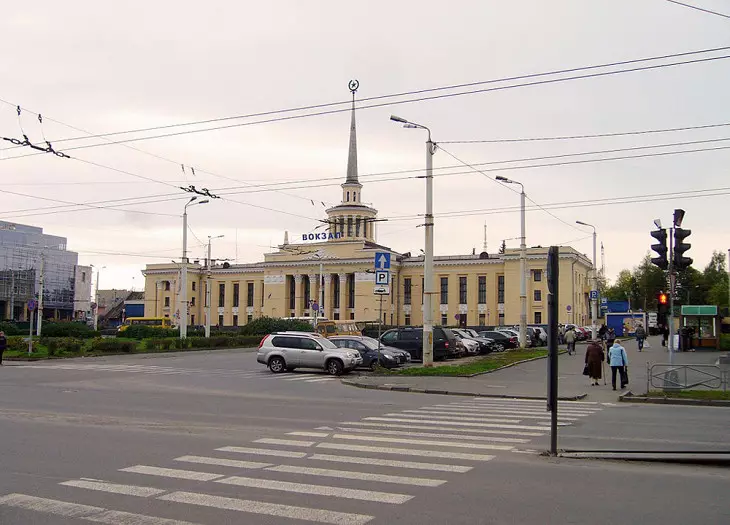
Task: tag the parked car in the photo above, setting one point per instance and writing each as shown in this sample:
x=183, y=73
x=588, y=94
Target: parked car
x=502, y=340
x=410, y=339
x=285, y=351
x=541, y=334
x=516, y=333
x=470, y=346
x=368, y=350
x=486, y=345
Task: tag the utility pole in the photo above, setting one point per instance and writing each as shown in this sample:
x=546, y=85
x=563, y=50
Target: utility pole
x=321, y=288
x=207, y=291
x=40, y=296
x=594, y=284
x=553, y=267
x=672, y=282
x=12, y=294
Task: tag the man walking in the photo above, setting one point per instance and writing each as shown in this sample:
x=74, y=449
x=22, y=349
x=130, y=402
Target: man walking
x=570, y=340
x=640, y=336
x=618, y=361
x=3, y=346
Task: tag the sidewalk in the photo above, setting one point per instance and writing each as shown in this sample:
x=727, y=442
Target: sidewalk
x=529, y=380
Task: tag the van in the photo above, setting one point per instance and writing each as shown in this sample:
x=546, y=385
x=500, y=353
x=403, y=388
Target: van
x=445, y=343
x=331, y=328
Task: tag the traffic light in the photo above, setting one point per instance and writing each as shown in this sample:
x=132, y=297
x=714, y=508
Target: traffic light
x=680, y=248
x=662, y=307
x=660, y=248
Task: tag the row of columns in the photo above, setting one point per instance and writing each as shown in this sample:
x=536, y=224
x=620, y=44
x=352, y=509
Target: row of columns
x=315, y=294
x=366, y=226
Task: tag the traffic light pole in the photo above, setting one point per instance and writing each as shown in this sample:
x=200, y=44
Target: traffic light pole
x=672, y=282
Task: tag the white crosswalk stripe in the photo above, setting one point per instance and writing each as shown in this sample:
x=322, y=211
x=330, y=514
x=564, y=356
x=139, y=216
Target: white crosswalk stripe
x=416, y=448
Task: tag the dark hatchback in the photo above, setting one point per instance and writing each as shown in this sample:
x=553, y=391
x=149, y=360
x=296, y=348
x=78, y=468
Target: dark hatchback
x=445, y=343
x=368, y=349
x=501, y=338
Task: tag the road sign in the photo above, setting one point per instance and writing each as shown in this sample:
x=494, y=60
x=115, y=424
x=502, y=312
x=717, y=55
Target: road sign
x=604, y=300
x=382, y=277
x=315, y=307
x=382, y=260
x=594, y=294
x=381, y=290
x=32, y=305
x=569, y=308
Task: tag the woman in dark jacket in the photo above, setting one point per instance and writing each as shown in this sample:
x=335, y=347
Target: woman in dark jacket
x=594, y=361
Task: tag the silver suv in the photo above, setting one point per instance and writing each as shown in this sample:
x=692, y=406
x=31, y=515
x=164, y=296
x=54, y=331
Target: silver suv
x=285, y=351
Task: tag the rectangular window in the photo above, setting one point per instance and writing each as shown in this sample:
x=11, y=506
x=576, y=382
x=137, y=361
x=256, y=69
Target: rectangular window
x=221, y=294
x=83, y=277
x=501, y=319
x=462, y=290
x=349, y=226
x=220, y=320
x=167, y=286
x=249, y=294
x=407, y=320
x=423, y=289
x=236, y=294
x=235, y=320
x=444, y=290
x=336, y=292
x=357, y=227
x=193, y=285
x=167, y=302
x=537, y=275
x=482, y=319
x=262, y=293
x=444, y=319
x=192, y=301
x=538, y=317
x=292, y=292
x=537, y=295
x=249, y=318
x=482, y=289
x=351, y=290
x=352, y=316
x=500, y=289
x=192, y=319
x=337, y=316
x=407, y=291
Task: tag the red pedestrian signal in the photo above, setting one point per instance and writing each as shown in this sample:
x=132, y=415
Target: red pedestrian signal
x=662, y=298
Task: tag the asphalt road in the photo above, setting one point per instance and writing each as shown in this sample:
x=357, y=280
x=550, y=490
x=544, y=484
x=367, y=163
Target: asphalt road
x=214, y=438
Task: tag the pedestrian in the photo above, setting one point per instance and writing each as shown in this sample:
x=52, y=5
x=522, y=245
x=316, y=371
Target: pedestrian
x=594, y=361
x=610, y=337
x=640, y=336
x=570, y=340
x=618, y=361
x=3, y=346
x=602, y=332
x=665, y=334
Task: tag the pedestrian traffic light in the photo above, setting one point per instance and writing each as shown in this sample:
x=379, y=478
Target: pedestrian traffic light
x=660, y=248
x=680, y=248
x=662, y=301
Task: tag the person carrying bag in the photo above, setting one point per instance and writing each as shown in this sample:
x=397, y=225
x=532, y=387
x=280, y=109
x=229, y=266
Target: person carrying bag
x=619, y=362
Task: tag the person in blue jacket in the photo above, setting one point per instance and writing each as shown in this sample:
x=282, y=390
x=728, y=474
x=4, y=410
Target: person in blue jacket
x=618, y=361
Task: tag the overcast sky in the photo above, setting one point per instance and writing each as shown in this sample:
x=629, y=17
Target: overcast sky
x=115, y=66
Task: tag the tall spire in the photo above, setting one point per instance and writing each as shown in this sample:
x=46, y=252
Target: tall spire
x=352, y=154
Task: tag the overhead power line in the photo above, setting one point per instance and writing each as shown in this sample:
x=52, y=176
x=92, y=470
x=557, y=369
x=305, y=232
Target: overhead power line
x=699, y=8
x=418, y=99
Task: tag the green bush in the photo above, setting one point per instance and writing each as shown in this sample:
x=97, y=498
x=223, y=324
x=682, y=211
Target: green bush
x=17, y=343
x=57, y=346
x=159, y=343
x=267, y=325
x=10, y=328
x=67, y=329
x=113, y=345
x=725, y=342
x=148, y=332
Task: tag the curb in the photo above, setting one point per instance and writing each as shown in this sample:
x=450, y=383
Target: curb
x=412, y=390
x=628, y=398
x=511, y=365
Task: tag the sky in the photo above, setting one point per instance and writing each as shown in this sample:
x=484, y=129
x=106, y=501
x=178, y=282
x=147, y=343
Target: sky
x=92, y=68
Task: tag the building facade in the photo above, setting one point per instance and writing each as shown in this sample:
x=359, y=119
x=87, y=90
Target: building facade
x=82, y=293
x=335, y=270
x=28, y=257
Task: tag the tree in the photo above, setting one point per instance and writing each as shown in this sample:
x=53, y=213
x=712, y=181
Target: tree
x=503, y=247
x=715, y=280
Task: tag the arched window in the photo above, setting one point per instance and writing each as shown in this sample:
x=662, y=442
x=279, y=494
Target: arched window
x=348, y=196
x=354, y=196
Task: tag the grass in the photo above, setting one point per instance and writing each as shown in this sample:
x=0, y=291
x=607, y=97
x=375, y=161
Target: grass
x=482, y=364
x=691, y=394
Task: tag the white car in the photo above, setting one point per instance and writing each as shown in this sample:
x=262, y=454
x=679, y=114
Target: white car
x=470, y=346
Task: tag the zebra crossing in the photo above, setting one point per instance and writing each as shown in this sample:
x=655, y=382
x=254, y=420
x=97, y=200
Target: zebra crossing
x=305, y=377
x=348, y=474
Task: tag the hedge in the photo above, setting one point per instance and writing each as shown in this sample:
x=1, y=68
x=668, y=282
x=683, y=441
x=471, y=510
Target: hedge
x=112, y=345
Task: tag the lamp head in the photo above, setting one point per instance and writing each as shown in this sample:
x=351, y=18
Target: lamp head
x=204, y=201
x=503, y=179
x=398, y=119
x=409, y=125
x=658, y=223
x=193, y=198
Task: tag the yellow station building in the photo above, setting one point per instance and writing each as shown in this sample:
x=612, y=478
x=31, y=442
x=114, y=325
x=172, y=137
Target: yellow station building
x=338, y=266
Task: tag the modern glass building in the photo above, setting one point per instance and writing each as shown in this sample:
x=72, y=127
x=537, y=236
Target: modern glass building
x=24, y=250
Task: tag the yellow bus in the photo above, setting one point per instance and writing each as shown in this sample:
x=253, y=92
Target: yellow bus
x=154, y=322
x=329, y=328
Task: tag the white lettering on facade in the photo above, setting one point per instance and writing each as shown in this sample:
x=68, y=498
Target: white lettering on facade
x=321, y=236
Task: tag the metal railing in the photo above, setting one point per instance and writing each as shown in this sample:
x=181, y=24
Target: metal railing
x=686, y=377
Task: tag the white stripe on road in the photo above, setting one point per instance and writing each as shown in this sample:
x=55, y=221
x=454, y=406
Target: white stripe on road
x=518, y=411
x=432, y=435
x=365, y=476
x=416, y=413
x=115, y=517
x=452, y=444
x=299, y=378
x=308, y=434
x=172, y=473
x=286, y=442
x=269, y=509
x=317, y=490
x=458, y=414
x=455, y=423
x=263, y=452
x=84, y=512
x=222, y=462
x=449, y=429
x=320, y=380
x=529, y=401
x=390, y=463
x=114, y=488
x=406, y=451
x=50, y=506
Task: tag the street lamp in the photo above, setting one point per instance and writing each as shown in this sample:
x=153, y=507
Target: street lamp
x=183, y=309
x=209, y=267
x=523, y=261
x=428, y=252
x=96, y=310
x=594, y=283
